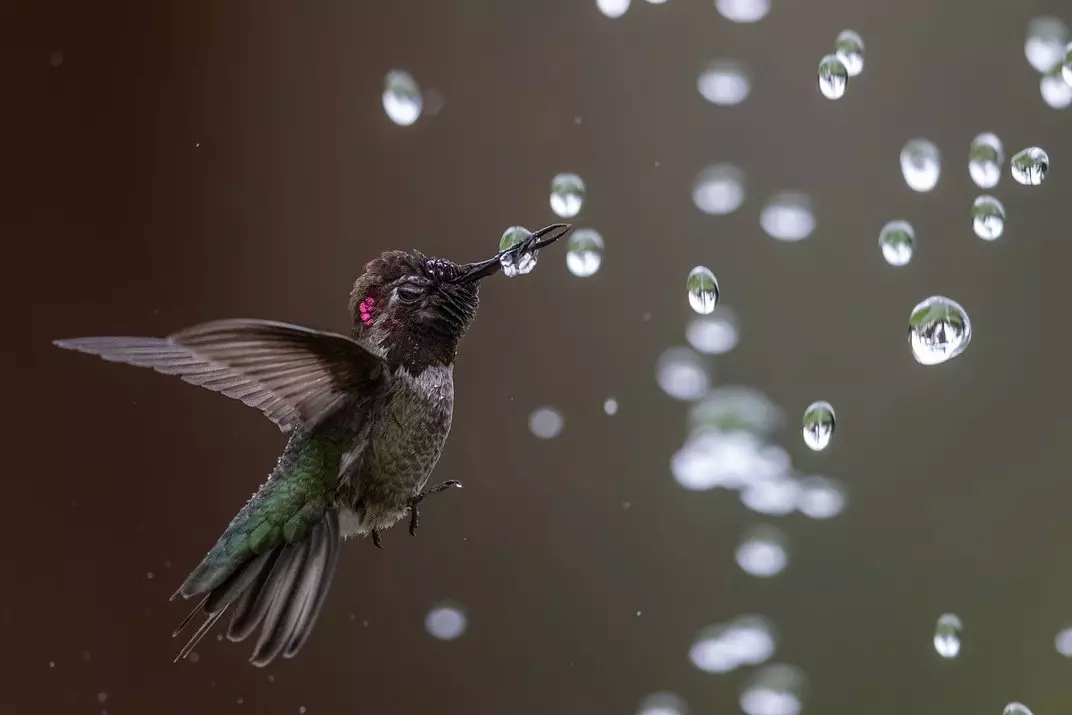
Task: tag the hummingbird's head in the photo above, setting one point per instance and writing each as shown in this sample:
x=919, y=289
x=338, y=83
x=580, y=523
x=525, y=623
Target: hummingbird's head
x=417, y=308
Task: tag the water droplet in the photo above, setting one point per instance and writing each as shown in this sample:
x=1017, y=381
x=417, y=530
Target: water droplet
x=1063, y=642
x=773, y=690
x=988, y=218
x=921, y=164
x=682, y=374
x=1016, y=709
x=724, y=82
x=516, y=266
x=56, y=59
x=584, y=255
x=849, y=48
x=719, y=189
x=1055, y=91
x=762, y=552
x=446, y=621
x=788, y=217
x=567, y=195
x=947, y=635
x=731, y=459
x=1045, y=43
x=662, y=704
x=722, y=648
x=1029, y=166
x=736, y=408
x=1066, y=67
x=938, y=330
x=702, y=289
x=102, y=697
x=714, y=334
x=897, y=239
x=985, y=157
x=546, y=422
x=402, y=98
x=612, y=8
x=833, y=77
x=817, y=426
x=820, y=498
x=610, y=406
x=743, y=10
x=776, y=496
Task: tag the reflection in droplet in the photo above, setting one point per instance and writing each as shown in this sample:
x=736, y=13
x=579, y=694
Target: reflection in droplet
x=516, y=266
x=702, y=289
x=724, y=82
x=401, y=98
x=546, y=422
x=714, y=334
x=988, y=218
x=728, y=459
x=762, y=552
x=743, y=10
x=682, y=374
x=773, y=690
x=947, y=635
x=849, y=49
x=817, y=425
x=897, y=239
x=938, y=330
x=776, y=496
x=1063, y=642
x=833, y=77
x=985, y=157
x=612, y=8
x=1016, y=709
x=610, y=406
x=662, y=704
x=788, y=217
x=721, y=648
x=567, y=195
x=1055, y=91
x=1045, y=43
x=446, y=621
x=1029, y=166
x=921, y=164
x=735, y=408
x=719, y=189
x=584, y=255
x=820, y=498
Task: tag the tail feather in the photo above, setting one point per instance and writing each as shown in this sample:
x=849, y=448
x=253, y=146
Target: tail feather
x=311, y=608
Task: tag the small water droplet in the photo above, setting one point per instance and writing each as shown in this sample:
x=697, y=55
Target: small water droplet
x=714, y=334
x=51, y=664
x=1066, y=66
x=702, y=289
x=546, y=422
x=721, y=648
x=788, y=216
x=833, y=77
x=947, y=635
x=921, y=164
x=567, y=195
x=762, y=552
x=662, y=704
x=610, y=406
x=724, y=82
x=938, y=330
x=613, y=8
x=682, y=374
x=401, y=98
x=1063, y=642
x=1016, y=709
x=584, y=255
x=193, y=657
x=301, y=710
x=102, y=697
x=150, y=575
x=1029, y=166
x=849, y=49
x=988, y=218
x=743, y=11
x=817, y=425
x=773, y=690
x=820, y=498
x=1055, y=91
x=718, y=189
x=512, y=265
x=1045, y=43
x=56, y=59
x=985, y=157
x=446, y=621
x=897, y=239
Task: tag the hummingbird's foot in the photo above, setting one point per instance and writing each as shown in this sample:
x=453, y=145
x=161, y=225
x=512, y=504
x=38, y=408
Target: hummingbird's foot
x=376, y=539
x=414, y=512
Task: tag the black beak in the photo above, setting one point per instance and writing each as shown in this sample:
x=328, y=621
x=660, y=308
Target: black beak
x=472, y=272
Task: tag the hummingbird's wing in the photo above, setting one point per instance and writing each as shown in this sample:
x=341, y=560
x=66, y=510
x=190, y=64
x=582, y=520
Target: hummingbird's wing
x=292, y=374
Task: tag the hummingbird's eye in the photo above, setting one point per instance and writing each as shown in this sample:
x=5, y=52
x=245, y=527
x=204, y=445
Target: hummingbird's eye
x=408, y=293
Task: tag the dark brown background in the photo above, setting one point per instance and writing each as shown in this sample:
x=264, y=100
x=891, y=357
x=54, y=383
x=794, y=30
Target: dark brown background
x=198, y=160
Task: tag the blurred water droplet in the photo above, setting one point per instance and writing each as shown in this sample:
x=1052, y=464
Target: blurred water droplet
x=849, y=49
x=433, y=102
x=722, y=648
x=1055, y=91
x=1063, y=642
x=788, y=217
x=985, y=157
x=947, y=635
x=102, y=697
x=612, y=8
x=1016, y=709
x=833, y=77
x=897, y=239
x=656, y=2
x=516, y=266
x=735, y=408
x=56, y=59
x=714, y=334
x=681, y=373
x=567, y=195
x=988, y=218
x=446, y=621
x=1029, y=166
x=820, y=498
x=938, y=330
x=662, y=704
x=776, y=496
x=702, y=288
x=402, y=98
x=724, y=82
x=546, y=422
x=1066, y=67
x=731, y=459
x=719, y=189
x=610, y=406
x=818, y=424
x=743, y=10
x=762, y=551
x=584, y=255
x=773, y=690
x=1045, y=43
x=921, y=164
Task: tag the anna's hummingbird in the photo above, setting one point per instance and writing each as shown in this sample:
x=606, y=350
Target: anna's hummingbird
x=366, y=416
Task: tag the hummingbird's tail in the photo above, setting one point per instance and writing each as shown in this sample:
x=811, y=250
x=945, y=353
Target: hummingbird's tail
x=280, y=590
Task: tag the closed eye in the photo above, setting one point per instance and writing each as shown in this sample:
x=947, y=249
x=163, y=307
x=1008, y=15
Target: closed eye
x=408, y=292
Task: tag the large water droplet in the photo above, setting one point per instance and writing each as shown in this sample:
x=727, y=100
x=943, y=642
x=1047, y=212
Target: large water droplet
x=947, y=635
x=567, y=195
x=1016, y=709
x=921, y=164
x=833, y=77
x=446, y=621
x=718, y=189
x=849, y=48
x=988, y=218
x=585, y=253
x=401, y=98
x=662, y=704
x=512, y=265
x=897, y=239
x=773, y=690
x=985, y=157
x=1045, y=43
x=682, y=374
x=762, y=552
x=817, y=425
x=938, y=330
x=702, y=287
x=546, y=422
x=714, y=334
x=1029, y=166
x=1055, y=91
x=743, y=10
x=788, y=217
x=724, y=82
x=613, y=8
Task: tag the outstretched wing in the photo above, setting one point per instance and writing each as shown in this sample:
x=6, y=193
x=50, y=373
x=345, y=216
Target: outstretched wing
x=292, y=374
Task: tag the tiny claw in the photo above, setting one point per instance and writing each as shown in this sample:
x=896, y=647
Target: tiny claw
x=376, y=539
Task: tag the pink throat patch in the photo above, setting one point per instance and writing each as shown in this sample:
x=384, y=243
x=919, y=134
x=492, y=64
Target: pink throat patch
x=365, y=309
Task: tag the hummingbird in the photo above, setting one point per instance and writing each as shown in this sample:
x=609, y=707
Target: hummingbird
x=366, y=418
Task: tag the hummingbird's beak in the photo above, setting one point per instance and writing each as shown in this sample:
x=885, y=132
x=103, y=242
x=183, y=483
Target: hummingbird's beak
x=472, y=272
